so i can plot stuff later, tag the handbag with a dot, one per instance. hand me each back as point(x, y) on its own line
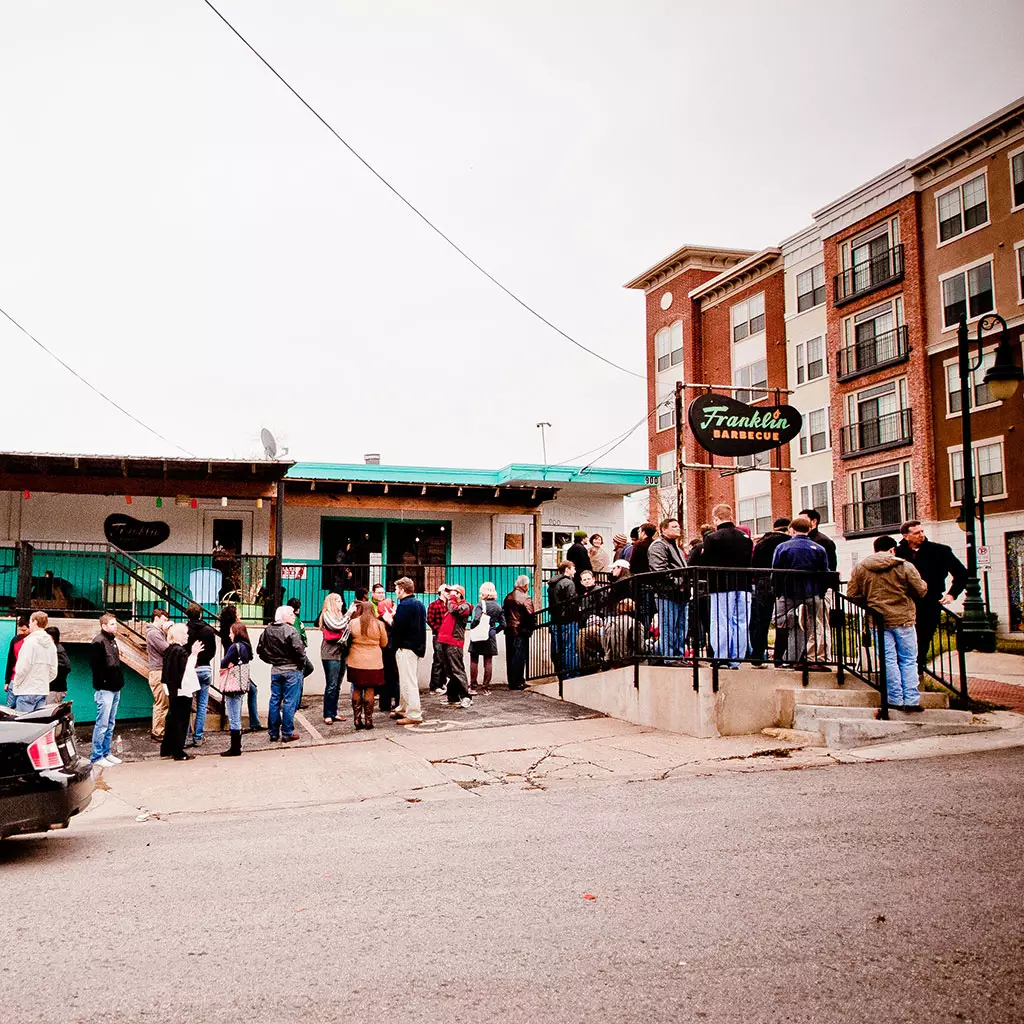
point(482, 630)
point(235, 679)
point(307, 667)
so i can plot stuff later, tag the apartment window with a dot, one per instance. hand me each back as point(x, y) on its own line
point(818, 497)
point(979, 394)
point(989, 479)
point(667, 468)
point(810, 360)
point(814, 432)
point(962, 208)
point(760, 460)
point(1020, 271)
point(884, 498)
point(1017, 174)
point(666, 397)
point(810, 288)
point(756, 514)
point(748, 317)
point(967, 291)
point(753, 377)
point(668, 343)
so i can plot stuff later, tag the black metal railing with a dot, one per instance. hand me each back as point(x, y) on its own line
point(944, 662)
point(874, 353)
point(878, 515)
point(880, 270)
point(891, 430)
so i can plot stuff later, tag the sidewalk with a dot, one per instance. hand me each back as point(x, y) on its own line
point(996, 678)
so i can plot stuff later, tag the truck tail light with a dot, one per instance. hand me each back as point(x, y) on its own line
point(44, 752)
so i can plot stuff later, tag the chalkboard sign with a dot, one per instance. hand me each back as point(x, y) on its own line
point(130, 534)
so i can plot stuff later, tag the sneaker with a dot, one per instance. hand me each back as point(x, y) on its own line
point(114, 760)
point(103, 763)
point(466, 702)
point(442, 691)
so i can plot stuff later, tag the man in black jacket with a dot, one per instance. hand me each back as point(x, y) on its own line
point(764, 596)
point(728, 548)
point(409, 635)
point(204, 632)
point(281, 648)
point(107, 682)
point(670, 590)
point(577, 553)
point(819, 538)
point(563, 605)
point(935, 562)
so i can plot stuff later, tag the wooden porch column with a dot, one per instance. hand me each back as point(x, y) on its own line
point(276, 546)
point(538, 560)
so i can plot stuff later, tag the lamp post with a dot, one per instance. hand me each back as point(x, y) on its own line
point(544, 440)
point(1002, 378)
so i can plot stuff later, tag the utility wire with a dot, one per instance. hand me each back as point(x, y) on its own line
point(618, 438)
point(92, 387)
point(422, 216)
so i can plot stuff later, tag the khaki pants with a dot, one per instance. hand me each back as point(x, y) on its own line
point(160, 704)
point(409, 701)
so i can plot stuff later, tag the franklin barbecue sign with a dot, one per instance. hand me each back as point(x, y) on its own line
point(724, 426)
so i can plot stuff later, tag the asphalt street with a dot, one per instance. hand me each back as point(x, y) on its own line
point(885, 892)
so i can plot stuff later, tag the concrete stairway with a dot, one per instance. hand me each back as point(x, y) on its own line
point(849, 718)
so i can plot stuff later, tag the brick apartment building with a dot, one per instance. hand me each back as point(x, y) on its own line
point(856, 314)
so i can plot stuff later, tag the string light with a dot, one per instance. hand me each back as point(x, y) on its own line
point(223, 502)
point(259, 503)
point(128, 499)
point(26, 495)
point(159, 502)
point(195, 503)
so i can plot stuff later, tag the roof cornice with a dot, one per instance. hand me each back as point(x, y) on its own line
point(752, 269)
point(689, 257)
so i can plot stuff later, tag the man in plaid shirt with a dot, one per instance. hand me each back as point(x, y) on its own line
point(436, 612)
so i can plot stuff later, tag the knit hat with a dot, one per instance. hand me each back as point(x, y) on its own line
point(620, 540)
point(580, 535)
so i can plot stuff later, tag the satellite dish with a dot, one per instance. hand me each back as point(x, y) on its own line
point(270, 448)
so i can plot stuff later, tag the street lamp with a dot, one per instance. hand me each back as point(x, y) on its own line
point(1002, 378)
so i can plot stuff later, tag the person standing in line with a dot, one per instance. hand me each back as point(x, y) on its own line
point(107, 682)
point(892, 587)
point(577, 553)
point(764, 595)
point(409, 633)
point(365, 660)
point(199, 630)
point(802, 595)
point(487, 648)
point(235, 663)
point(436, 611)
point(627, 551)
point(832, 557)
point(180, 683)
point(156, 644)
point(619, 544)
point(586, 595)
point(333, 655)
point(384, 608)
point(20, 632)
point(228, 617)
point(296, 606)
point(517, 611)
point(36, 667)
point(934, 562)
point(639, 558)
point(281, 648)
point(665, 556)
point(453, 642)
point(59, 686)
point(563, 606)
point(728, 548)
point(599, 557)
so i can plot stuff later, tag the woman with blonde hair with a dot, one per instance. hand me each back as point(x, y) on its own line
point(483, 639)
point(365, 660)
point(333, 655)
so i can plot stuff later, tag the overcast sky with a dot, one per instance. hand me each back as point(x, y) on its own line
point(178, 228)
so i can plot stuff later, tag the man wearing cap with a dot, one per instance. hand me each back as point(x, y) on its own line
point(578, 554)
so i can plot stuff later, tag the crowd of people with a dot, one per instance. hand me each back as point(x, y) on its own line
point(717, 597)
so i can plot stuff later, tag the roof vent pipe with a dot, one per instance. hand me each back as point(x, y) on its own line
point(372, 458)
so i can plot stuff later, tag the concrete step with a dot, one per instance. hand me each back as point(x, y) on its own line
point(864, 698)
point(807, 716)
point(844, 733)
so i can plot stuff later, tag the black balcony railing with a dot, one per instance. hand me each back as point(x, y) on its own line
point(880, 270)
point(875, 353)
point(879, 515)
point(889, 431)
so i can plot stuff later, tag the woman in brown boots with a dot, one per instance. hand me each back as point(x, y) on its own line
point(365, 661)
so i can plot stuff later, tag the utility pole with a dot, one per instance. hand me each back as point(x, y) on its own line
point(680, 459)
point(543, 440)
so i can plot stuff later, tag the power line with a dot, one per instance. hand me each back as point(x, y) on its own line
point(422, 216)
point(92, 387)
point(618, 438)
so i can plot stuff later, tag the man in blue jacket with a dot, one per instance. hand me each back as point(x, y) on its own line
point(409, 635)
point(799, 599)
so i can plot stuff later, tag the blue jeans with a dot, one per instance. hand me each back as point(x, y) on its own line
point(29, 702)
point(285, 690)
point(563, 648)
point(12, 699)
point(203, 673)
point(333, 671)
point(233, 703)
point(106, 719)
point(672, 619)
point(254, 715)
point(730, 625)
point(901, 677)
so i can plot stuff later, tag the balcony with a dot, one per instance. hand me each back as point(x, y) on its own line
point(877, 272)
point(875, 353)
point(880, 515)
point(893, 430)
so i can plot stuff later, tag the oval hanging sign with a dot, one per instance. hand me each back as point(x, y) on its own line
point(133, 534)
point(724, 426)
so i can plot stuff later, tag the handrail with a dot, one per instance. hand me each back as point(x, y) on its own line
point(873, 353)
point(888, 430)
point(885, 268)
point(140, 574)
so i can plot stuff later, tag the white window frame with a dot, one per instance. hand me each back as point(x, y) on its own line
point(809, 503)
point(982, 173)
point(904, 471)
point(670, 474)
point(663, 338)
point(759, 460)
point(765, 498)
point(976, 381)
point(962, 272)
point(744, 306)
point(1018, 252)
point(890, 227)
point(824, 291)
point(976, 446)
point(803, 363)
point(663, 391)
point(1019, 151)
point(751, 388)
point(804, 439)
